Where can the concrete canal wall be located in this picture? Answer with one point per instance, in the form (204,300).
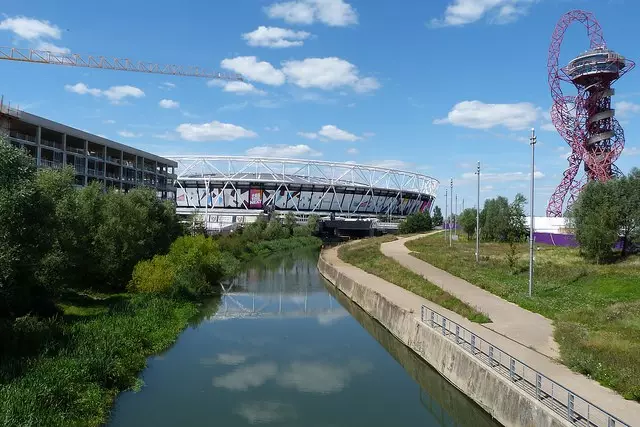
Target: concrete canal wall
(507,404)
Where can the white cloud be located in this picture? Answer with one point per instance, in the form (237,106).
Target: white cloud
(352,151)
(275,37)
(109,121)
(234,107)
(167,85)
(281,150)
(231,359)
(368,134)
(626,108)
(115,94)
(168,103)
(502,177)
(461,12)
(335,13)
(272,128)
(252,69)
(213,131)
(82,89)
(548,126)
(129,134)
(168,136)
(244,378)
(30,29)
(240,88)
(337,134)
(330,132)
(308,135)
(321,378)
(478,115)
(327,73)
(42,45)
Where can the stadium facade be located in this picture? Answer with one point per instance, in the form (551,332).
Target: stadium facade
(229,189)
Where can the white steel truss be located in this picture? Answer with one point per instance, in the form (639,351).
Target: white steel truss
(229,171)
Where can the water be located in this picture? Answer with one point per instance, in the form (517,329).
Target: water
(282,349)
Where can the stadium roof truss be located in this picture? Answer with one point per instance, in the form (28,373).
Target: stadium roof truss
(231,170)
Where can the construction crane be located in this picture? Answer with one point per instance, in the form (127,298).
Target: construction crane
(107,63)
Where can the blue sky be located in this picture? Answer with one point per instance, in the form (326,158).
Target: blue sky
(403,84)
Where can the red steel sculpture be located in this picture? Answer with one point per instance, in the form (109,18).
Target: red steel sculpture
(586,121)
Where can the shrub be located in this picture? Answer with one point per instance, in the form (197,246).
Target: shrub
(416,223)
(153,276)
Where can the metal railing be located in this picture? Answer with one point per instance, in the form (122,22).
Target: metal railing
(94,172)
(52,144)
(22,136)
(75,150)
(51,164)
(560,399)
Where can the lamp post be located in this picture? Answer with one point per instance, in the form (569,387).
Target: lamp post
(531,203)
(451,218)
(478,219)
(446,213)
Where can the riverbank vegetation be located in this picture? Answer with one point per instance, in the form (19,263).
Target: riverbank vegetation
(93,282)
(367,256)
(595,308)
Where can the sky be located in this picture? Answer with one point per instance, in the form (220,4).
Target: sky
(427,86)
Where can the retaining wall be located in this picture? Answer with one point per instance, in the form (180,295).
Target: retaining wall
(506,403)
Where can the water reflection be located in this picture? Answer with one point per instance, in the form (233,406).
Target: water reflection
(277,349)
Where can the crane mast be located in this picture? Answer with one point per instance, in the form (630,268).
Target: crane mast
(109,63)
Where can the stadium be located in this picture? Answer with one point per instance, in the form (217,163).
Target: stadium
(232,189)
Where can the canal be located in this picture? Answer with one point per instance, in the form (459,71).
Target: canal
(282,348)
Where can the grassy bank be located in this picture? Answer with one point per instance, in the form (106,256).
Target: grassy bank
(67,370)
(596,308)
(367,256)
(84,359)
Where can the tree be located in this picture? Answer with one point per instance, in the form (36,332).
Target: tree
(437,216)
(605,213)
(290,222)
(467,221)
(416,223)
(494,219)
(517,229)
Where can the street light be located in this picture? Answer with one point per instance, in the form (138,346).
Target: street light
(446,213)
(531,203)
(478,219)
(451,218)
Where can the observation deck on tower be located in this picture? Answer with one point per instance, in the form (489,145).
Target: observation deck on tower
(596,66)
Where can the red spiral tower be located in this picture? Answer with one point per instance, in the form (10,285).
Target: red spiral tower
(586,121)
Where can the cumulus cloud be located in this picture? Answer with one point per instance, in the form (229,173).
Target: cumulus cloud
(252,69)
(631,151)
(30,29)
(115,94)
(34,31)
(335,13)
(282,150)
(48,46)
(275,37)
(167,86)
(240,88)
(169,103)
(327,73)
(352,151)
(478,115)
(331,132)
(392,164)
(321,378)
(462,12)
(213,131)
(265,412)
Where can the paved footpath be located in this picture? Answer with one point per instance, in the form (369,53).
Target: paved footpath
(605,398)
(507,318)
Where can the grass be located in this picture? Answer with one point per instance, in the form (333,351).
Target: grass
(84,358)
(595,308)
(367,256)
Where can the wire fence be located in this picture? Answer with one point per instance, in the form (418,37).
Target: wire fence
(563,401)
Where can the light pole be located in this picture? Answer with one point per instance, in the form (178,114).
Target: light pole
(446,213)
(531,203)
(455,217)
(478,219)
(451,218)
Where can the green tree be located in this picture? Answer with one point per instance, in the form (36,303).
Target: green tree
(467,221)
(290,222)
(494,219)
(275,230)
(628,191)
(416,223)
(437,216)
(24,233)
(517,229)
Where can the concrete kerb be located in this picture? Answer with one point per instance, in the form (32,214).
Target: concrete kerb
(506,403)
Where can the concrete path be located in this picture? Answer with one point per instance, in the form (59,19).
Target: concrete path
(523,326)
(605,398)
